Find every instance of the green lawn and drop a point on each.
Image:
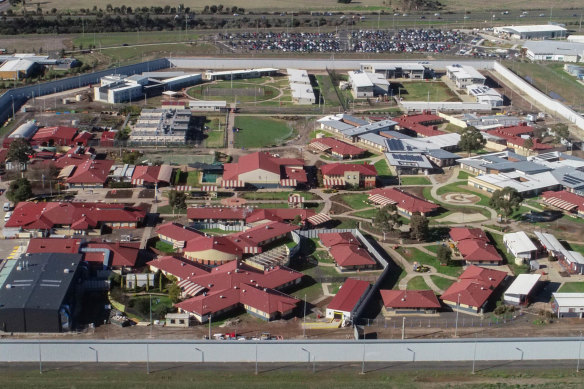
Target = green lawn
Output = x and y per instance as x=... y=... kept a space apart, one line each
x=382 y=168
x=356 y=201
x=415 y=181
x=433 y=248
x=572 y=287
x=132 y=38
x=327 y=90
x=125 y=55
x=441 y=282
x=577 y=247
x=346 y=223
x=461 y=187
x=270 y=205
x=215 y=139
x=323 y=256
x=314 y=133
x=165 y=247
x=167 y=210
x=417 y=283
x=367 y=214
x=236 y=91
x=260 y=132
x=275 y=195
x=193 y=178
x=424 y=90
x=413 y=254
x=462 y=175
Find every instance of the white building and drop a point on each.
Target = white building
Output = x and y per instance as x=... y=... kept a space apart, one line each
x=239 y=74
x=464 y=75
x=298 y=76
x=520 y=245
x=519 y=291
x=183 y=81
x=300 y=87
x=539 y=31
x=554 y=51
x=568 y=304
x=575 y=38
x=119 y=88
x=410 y=70
x=207 y=105
x=161 y=126
x=365 y=84
x=485 y=95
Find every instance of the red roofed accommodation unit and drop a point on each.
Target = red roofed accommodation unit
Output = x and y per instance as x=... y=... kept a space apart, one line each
x=59 y=136
x=176 y=234
x=343 y=305
x=407 y=204
x=227 y=215
x=423 y=125
x=336 y=148
x=264 y=215
x=178 y=267
x=564 y=200
x=348 y=174
x=397 y=302
x=264 y=170
x=64 y=218
x=90 y=174
x=475 y=246
x=347 y=252
x=152 y=176
x=473 y=290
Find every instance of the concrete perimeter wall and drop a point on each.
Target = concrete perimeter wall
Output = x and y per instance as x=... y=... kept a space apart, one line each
x=290 y=351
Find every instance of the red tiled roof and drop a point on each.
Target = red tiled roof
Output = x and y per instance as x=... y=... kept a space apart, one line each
x=267 y=300
x=278 y=214
x=419 y=124
x=146 y=173
x=571 y=200
x=259 y=160
x=475 y=250
x=218 y=243
x=351 y=255
x=295 y=173
x=459 y=233
x=424 y=299
x=339 y=169
x=44 y=216
x=488 y=276
x=72 y=159
x=537 y=145
x=83 y=138
x=221 y=213
x=124 y=254
x=405 y=200
x=475 y=285
x=178 y=267
x=522 y=129
x=91 y=172
x=339 y=147
x=349 y=295
x=330 y=239
x=177 y=232
x=53 y=245
x=60 y=135
x=259 y=235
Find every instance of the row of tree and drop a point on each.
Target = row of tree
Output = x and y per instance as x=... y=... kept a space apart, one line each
x=388 y=220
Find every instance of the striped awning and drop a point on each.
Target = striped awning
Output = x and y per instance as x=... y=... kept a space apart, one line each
x=561 y=204
x=183 y=188
x=252 y=250
x=381 y=200
x=190 y=288
x=333 y=182
x=232 y=184
x=66 y=171
x=320 y=146
x=138 y=181
x=319 y=218
x=209 y=188
x=288 y=182
x=295 y=198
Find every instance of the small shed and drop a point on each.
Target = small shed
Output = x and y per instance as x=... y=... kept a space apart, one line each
x=519 y=291
x=177 y=320
x=347 y=299
x=568 y=304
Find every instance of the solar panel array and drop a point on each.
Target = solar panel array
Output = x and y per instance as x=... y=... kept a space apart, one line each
x=409 y=157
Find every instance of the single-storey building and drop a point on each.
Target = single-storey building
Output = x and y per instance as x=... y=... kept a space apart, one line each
x=336 y=148
x=399 y=302
x=343 y=305
x=520 y=245
x=336 y=175
x=568 y=305
x=347 y=251
x=520 y=290
x=407 y=204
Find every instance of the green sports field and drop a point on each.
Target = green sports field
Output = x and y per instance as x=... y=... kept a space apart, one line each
x=260 y=132
x=426 y=90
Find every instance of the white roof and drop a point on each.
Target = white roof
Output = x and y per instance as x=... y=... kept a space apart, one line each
x=550 y=242
x=569 y=299
x=298 y=76
x=520 y=181
x=359 y=79
x=377 y=79
x=16 y=65
x=464 y=72
x=302 y=91
x=394 y=65
x=523 y=284
x=531 y=28
x=207 y=103
x=242 y=71
x=554 y=47
x=519 y=242
x=482 y=90
x=434 y=142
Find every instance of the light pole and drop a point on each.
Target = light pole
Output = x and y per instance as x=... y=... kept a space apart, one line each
x=308 y=352
x=209 y=326
x=202 y=354
x=579 y=352
x=363 y=361
x=96 y=354
x=521 y=351
x=40 y=359
x=457 y=309
x=413 y=354
x=256 y=351
x=147 y=359
x=151 y=323
x=12 y=105
x=403 y=328
x=474 y=355
x=304 y=320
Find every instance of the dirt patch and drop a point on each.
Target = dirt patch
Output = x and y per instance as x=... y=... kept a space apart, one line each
x=233 y=202
x=459 y=217
x=415 y=190
x=338 y=208
x=460 y=198
x=146 y=194
x=119 y=194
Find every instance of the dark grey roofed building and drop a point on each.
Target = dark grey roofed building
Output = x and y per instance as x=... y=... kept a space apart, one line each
x=40 y=293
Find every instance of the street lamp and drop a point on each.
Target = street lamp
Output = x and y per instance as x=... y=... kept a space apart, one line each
x=363 y=361
x=474 y=355
x=147 y=359
x=96 y=354
x=404 y=328
x=579 y=352
x=40 y=359
x=413 y=354
x=521 y=351
x=303 y=349
x=457 y=309
x=202 y=354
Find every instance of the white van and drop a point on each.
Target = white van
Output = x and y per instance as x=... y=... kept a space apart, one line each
x=7 y=216
x=7 y=207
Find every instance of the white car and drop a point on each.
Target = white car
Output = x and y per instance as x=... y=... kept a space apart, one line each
x=7 y=216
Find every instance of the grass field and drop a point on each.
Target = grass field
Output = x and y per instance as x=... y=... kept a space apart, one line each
x=193 y=178
x=214 y=91
x=415 y=181
x=382 y=168
x=551 y=78
x=367 y=214
x=461 y=187
x=327 y=90
x=413 y=254
x=275 y=195
x=215 y=139
x=441 y=282
x=260 y=132
x=356 y=200
x=132 y=38
x=417 y=283
x=462 y=175
x=424 y=90
x=572 y=287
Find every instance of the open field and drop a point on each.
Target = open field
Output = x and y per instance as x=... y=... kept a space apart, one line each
x=260 y=132
x=550 y=77
x=415 y=180
x=237 y=91
x=132 y=38
x=425 y=90
x=441 y=282
x=417 y=283
x=413 y=254
x=572 y=287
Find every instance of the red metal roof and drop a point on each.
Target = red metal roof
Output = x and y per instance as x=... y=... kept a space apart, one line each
x=405 y=200
x=339 y=147
x=261 y=234
x=488 y=276
x=124 y=254
x=278 y=214
x=570 y=199
x=351 y=255
x=218 y=243
x=475 y=285
x=339 y=169
x=420 y=124
x=295 y=173
x=72 y=159
x=330 y=239
x=459 y=233
x=220 y=213
x=53 y=245
x=423 y=299
x=178 y=267
x=29 y=215
x=91 y=172
x=259 y=160
x=60 y=135
x=349 y=295
x=176 y=231
x=475 y=250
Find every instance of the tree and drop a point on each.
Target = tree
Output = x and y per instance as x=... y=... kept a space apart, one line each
x=19 y=190
x=344 y=1
x=174 y=292
x=19 y=151
x=419 y=227
x=177 y=199
x=560 y=131
x=444 y=255
x=506 y=201
x=387 y=219
x=471 y=139
x=528 y=144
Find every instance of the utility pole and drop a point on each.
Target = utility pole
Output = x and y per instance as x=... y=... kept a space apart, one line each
x=304 y=319
x=403 y=328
